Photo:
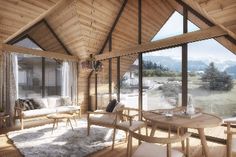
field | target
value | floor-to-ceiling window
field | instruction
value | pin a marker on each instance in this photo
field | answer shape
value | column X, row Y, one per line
column 129, row 83
column 37, row 76
column 212, row 73
column 162, row 84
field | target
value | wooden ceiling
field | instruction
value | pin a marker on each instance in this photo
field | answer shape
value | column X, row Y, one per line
column 15, row 14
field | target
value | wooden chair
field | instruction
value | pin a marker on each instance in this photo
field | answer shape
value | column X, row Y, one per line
column 231, row 142
column 130, row 118
column 149, row 147
column 105, row 119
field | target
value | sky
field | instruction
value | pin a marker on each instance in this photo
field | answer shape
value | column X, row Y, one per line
column 210, row 49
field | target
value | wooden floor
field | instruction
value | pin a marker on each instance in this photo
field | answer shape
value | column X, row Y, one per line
column 7, row 149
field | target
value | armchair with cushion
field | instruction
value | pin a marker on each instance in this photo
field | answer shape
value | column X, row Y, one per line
column 105, row 118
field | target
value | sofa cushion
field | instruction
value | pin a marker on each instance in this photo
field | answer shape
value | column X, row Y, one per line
column 52, row 102
column 25, row 104
column 42, row 102
column 38, row 112
column 66, row 101
column 111, row 105
column 67, row 108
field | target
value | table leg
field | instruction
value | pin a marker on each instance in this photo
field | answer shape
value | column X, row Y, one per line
column 54, row 123
column 70, row 124
column 154, row 127
column 204, row 142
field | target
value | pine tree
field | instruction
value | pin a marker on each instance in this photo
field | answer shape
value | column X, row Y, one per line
column 216, row 80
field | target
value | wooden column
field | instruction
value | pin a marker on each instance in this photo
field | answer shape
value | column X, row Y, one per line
column 110, row 69
column 140, row 57
column 118, row 79
column 185, row 60
column 43, row 77
column 96, row 91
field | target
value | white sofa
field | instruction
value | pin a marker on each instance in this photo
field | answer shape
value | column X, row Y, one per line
column 31, row 108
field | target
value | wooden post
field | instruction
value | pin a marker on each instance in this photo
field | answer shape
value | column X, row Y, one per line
column 185, row 61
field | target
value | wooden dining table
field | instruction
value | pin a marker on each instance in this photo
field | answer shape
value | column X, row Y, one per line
column 200, row 122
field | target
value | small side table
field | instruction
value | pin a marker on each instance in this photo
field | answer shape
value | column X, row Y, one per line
column 3, row 120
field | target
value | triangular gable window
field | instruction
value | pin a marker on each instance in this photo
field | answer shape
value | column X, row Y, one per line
column 173, row 27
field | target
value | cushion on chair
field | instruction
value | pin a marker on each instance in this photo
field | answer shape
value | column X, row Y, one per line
column 153, row 150
column 111, row 105
column 126, row 125
column 103, row 119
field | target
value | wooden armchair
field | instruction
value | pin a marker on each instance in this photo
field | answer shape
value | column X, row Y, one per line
column 150, row 148
column 231, row 142
column 105, row 119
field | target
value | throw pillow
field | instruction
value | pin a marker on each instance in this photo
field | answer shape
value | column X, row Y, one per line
column 118, row 106
column 39, row 102
column 35, row 104
column 66, row 101
column 27, row 104
column 111, row 105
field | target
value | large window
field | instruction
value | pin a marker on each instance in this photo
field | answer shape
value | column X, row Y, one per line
column 162, row 79
column 37, row 76
column 129, row 85
column 29, row 76
column 212, row 71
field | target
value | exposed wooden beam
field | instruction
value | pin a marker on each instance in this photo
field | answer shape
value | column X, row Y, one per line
column 208, row 33
column 208, row 22
column 37, row 20
column 47, row 54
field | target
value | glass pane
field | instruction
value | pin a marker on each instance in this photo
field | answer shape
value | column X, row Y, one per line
column 29, row 76
column 212, row 73
column 92, row 92
column 103, row 86
column 114, row 78
column 52, row 77
column 167, row 30
column 162, row 81
column 129, row 80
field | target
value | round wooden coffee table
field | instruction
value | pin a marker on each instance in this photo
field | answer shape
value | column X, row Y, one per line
column 59, row 116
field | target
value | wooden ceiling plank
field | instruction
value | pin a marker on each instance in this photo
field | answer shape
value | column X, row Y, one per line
column 211, row 32
column 36, row 20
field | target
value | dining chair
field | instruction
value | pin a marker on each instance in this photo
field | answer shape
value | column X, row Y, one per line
column 130, row 117
column 155, row 146
column 231, row 140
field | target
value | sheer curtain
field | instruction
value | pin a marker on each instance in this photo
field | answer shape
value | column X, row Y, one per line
column 8, row 82
column 69, row 80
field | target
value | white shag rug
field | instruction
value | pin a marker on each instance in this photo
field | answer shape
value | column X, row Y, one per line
column 63, row 142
